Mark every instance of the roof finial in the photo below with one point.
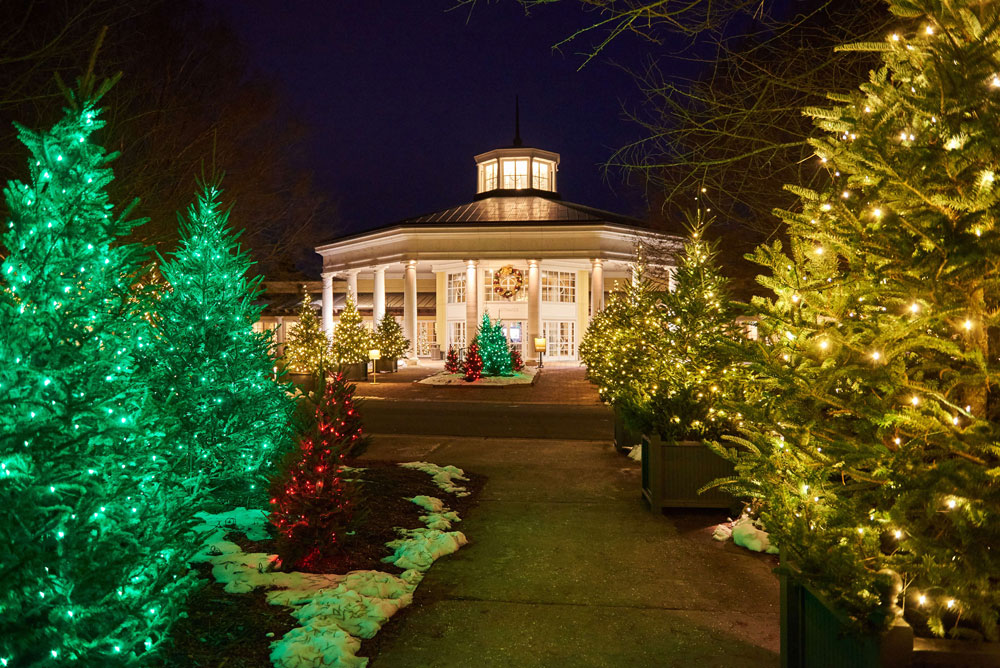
(517, 121)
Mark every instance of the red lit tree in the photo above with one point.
(451, 364)
(516, 361)
(473, 367)
(312, 504)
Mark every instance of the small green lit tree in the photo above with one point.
(493, 348)
(94, 536)
(308, 349)
(351, 339)
(211, 370)
(389, 338)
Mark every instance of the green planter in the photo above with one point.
(391, 364)
(814, 634)
(357, 371)
(674, 471)
(625, 438)
(304, 381)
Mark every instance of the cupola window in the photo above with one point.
(515, 174)
(540, 175)
(489, 176)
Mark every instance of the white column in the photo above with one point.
(352, 285)
(410, 305)
(534, 306)
(378, 298)
(596, 286)
(471, 300)
(328, 304)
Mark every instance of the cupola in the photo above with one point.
(516, 170)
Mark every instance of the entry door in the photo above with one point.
(514, 331)
(560, 338)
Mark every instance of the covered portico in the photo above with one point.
(561, 271)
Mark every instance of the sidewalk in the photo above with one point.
(566, 567)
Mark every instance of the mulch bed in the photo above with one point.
(223, 630)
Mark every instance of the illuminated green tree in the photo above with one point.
(493, 348)
(212, 371)
(351, 339)
(308, 347)
(93, 536)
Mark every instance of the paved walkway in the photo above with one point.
(566, 567)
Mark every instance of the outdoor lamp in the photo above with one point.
(374, 354)
(539, 348)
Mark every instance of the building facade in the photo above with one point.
(517, 251)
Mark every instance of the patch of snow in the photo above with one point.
(444, 476)
(420, 547)
(745, 533)
(334, 611)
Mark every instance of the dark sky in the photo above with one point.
(400, 96)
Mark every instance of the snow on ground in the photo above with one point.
(334, 611)
(523, 377)
(745, 534)
(444, 476)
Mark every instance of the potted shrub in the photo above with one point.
(391, 343)
(875, 452)
(307, 351)
(693, 365)
(351, 343)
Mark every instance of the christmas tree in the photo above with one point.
(308, 347)
(351, 339)
(212, 371)
(493, 348)
(389, 338)
(693, 343)
(313, 505)
(451, 364)
(473, 365)
(516, 361)
(876, 458)
(423, 345)
(616, 348)
(93, 536)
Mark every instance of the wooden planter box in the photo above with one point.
(625, 438)
(674, 471)
(304, 381)
(814, 634)
(391, 364)
(357, 371)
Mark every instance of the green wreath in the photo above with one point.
(502, 283)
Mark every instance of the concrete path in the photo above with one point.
(566, 567)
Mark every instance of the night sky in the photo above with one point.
(400, 96)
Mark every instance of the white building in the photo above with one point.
(517, 251)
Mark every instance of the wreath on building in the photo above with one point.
(507, 281)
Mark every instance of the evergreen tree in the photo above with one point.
(351, 339)
(692, 352)
(451, 364)
(389, 338)
(616, 348)
(472, 368)
(308, 347)
(877, 455)
(516, 361)
(93, 533)
(313, 505)
(493, 348)
(211, 369)
(423, 345)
